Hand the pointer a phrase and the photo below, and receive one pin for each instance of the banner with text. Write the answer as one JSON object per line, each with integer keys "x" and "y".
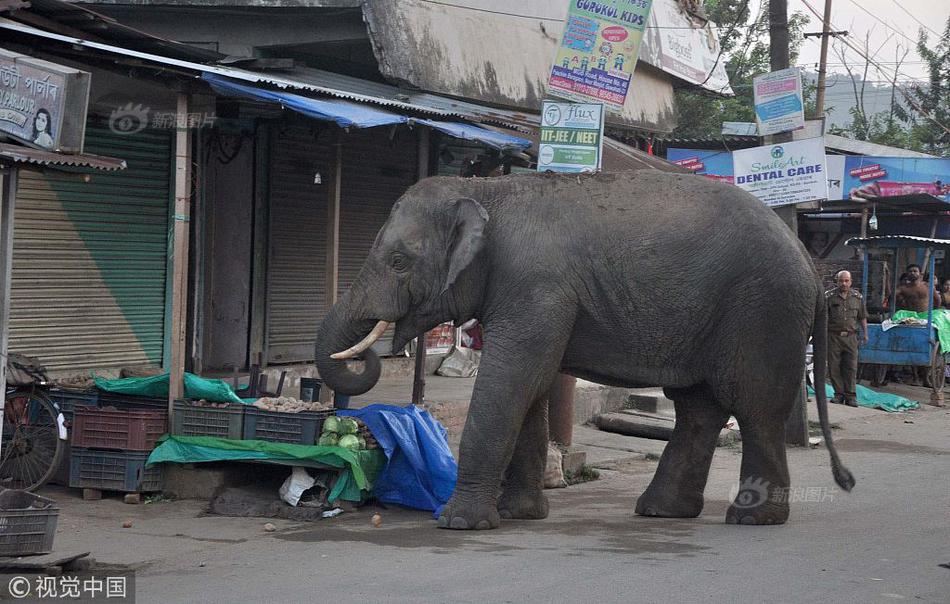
{"x": 783, "y": 174}
{"x": 598, "y": 50}
{"x": 716, "y": 165}
{"x": 572, "y": 137}
{"x": 778, "y": 101}
{"x": 864, "y": 177}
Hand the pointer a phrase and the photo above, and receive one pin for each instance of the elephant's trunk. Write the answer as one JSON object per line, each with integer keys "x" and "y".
{"x": 339, "y": 332}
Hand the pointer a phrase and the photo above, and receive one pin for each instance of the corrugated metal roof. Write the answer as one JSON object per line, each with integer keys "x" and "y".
{"x": 21, "y": 154}
{"x": 849, "y": 145}
{"x": 314, "y": 80}
{"x": 899, "y": 241}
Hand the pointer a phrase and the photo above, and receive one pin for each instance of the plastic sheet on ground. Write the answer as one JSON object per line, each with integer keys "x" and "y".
{"x": 941, "y": 322}
{"x": 360, "y": 468}
{"x": 421, "y": 471}
{"x": 875, "y": 400}
{"x": 197, "y": 388}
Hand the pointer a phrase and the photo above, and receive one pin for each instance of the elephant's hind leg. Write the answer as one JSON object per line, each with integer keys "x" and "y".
{"x": 521, "y": 495}
{"x": 676, "y": 490}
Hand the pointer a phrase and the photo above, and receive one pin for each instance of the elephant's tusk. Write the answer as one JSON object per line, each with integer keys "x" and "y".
{"x": 368, "y": 341}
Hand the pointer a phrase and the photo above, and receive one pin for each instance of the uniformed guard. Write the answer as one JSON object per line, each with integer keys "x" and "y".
{"x": 845, "y": 310}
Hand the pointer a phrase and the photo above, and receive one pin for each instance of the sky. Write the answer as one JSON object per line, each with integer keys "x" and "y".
{"x": 889, "y": 26}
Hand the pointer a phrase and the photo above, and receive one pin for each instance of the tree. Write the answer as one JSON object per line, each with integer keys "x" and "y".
{"x": 744, "y": 46}
{"x": 929, "y": 114}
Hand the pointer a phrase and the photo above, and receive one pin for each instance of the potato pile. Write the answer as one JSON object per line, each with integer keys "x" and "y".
{"x": 211, "y": 404}
{"x": 347, "y": 432}
{"x": 287, "y": 404}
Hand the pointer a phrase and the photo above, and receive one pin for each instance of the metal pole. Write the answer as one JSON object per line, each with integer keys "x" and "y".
{"x": 823, "y": 61}
{"x": 419, "y": 370}
{"x": 7, "y": 202}
{"x": 334, "y": 201}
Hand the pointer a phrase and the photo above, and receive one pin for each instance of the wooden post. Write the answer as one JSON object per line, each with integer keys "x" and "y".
{"x": 180, "y": 233}
{"x": 419, "y": 370}
{"x": 334, "y": 197}
{"x": 7, "y": 202}
{"x": 561, "y": 409}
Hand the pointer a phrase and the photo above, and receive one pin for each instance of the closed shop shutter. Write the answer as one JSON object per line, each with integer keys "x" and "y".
{"x": 296, "y": 262}
{"x": 376, "y": 172}
{"x": 89, "y": 260}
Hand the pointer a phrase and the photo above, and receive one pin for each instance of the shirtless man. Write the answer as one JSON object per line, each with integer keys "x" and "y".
{"x": 912, "y": 294}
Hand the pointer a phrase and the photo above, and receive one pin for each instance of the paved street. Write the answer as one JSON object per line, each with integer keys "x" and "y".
{"x": 881, "y": 543}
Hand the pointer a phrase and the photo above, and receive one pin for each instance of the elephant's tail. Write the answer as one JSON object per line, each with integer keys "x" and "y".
{"x": 819, "y": 338}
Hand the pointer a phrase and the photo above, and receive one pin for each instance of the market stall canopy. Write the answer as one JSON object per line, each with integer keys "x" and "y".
{"x": 900, "y": 241}
{"x": 347, "y": 114}
{"x": 26, "y": 155}
{"x": 920, "y": 203}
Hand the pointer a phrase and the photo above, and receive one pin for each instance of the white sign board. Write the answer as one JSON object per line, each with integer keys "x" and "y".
{"x": 835, "y": 166}
{"x": 783, "y": 174}
{"x": 778, "y": 101}
{"x": 572, "y": 137}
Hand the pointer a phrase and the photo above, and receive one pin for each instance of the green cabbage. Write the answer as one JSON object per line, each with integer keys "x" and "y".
{"x": 348, "y": 425}
{"x": 331, "y": 424}
{"x": 329, "y": 439}
{"x": 349, "y": 441}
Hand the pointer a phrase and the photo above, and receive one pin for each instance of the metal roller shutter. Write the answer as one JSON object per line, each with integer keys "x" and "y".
{"x": 376, "y": 172}
{"x": 89, "y": 260}
{"x": 296, "y": 263}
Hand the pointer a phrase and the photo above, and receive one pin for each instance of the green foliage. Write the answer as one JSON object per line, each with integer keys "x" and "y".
{"x": 929, "y": 116}
{"x": 584, "y": 474}
{"x": 745, "y": 50}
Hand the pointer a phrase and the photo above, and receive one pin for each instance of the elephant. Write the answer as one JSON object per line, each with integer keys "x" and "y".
{"x": 633, "y": 279}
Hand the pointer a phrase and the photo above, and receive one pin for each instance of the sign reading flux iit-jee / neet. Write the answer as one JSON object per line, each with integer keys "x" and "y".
{"x": 598, "y": 50}
{"x": 572, "y": 136}
{"x": 783, "y": 174}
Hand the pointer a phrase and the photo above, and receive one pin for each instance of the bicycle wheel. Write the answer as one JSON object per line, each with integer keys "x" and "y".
{"x": 31, "y": 449}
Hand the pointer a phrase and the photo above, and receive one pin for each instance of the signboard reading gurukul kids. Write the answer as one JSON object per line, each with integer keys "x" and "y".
{"x": 598, "y": 50}
{"x": 783, "y": 174}
{"x": 572, "y": 137}
{"x": 43, "y": 104}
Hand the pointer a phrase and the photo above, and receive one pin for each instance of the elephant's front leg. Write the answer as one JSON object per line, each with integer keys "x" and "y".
{"x": 522, "y": 489}
{"x": 514, "y": 372}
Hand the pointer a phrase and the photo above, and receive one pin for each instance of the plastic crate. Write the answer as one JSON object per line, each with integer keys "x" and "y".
{"x": 67, "y": 400}
{"x": 27, "y": 523}
{"x": 295, "y": 428}
{"x": 117, "y": 430}
{"x": 129, "y": 401}
{"x": 222, "y": 422}
{"x": 123, "y": 471}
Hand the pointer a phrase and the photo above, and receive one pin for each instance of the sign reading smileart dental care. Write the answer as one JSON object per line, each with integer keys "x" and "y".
{"x": 572, "y": 137}
{"x": 598, "y": 50}
{"x": 783, "y": 174}
{"x": 43, "y": 104}
{"x": 778, "y": 101}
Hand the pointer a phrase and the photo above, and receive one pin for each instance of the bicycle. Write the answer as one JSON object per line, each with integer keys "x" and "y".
{"x": 34, "y": 429}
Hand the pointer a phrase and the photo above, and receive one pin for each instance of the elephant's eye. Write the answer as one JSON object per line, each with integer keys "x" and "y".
{"x": 399, "y": 262}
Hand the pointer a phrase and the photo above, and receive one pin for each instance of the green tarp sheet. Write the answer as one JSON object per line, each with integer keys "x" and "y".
{"x": 875, "y": 400}
{"x": 941, "y": 322}
{"x": 196, "y": 388}
{"x": 359, "y": 468}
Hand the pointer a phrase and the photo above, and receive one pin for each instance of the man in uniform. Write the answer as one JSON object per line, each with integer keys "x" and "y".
{"x": 845, "y": 310}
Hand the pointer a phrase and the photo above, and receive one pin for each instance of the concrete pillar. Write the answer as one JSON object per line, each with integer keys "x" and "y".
{"x": 561, "y": 410}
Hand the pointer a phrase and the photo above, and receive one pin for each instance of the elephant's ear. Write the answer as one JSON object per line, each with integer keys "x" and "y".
{"x": 468, "y": 237}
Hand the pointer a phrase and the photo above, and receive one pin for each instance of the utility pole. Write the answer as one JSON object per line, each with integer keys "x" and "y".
{"x": 825, "y": 34}
{"x": 796, "y": 427}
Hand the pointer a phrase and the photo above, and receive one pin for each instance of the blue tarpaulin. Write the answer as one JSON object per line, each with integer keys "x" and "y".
{"x": 421, "y": 471}
{"x": 344, "y": 113}
{"x": 496, "y": 140}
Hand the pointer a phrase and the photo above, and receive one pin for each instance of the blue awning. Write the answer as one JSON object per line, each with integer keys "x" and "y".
{"x": 344, "y": 113}
{"x": 496, "y": 140}
{"x": 347, "y": 114}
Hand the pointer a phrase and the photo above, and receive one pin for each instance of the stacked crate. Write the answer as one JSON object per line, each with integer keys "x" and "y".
{"x": 109, "y": 447}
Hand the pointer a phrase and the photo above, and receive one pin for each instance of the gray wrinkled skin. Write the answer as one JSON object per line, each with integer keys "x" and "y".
{"x": 634, "y": 279}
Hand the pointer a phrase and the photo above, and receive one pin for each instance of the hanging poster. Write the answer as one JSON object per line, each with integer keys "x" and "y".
{"x": 598, "y": 50}
{"x": 778, "y": 101}
{"x": 572, "y": 137}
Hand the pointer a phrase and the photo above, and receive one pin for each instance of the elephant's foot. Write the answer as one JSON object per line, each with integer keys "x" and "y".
{"x": 523, "y": 505}
{"x": 667, "y": 503}
{"x": 469, "y": 513}
{"x": 770, "y": 512}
